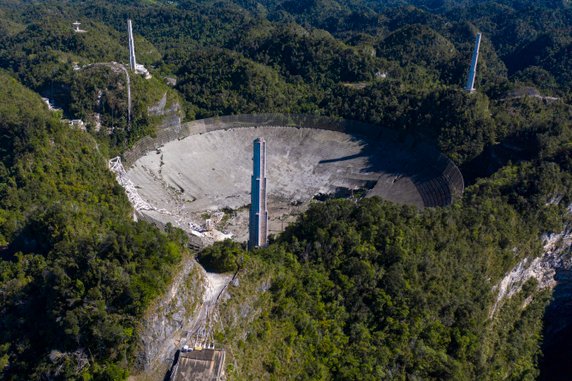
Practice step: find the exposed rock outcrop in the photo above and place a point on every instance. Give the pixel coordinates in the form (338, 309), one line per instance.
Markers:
(557, 254)
(165, 321)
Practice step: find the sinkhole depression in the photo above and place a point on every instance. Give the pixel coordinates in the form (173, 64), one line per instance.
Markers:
(197, 175)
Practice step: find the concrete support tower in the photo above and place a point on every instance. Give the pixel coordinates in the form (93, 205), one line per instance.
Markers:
(258, 226)
(132, 62)
(470, 86)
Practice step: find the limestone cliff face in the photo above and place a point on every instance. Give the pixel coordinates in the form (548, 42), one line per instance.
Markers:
(557, 255)
(164, 322)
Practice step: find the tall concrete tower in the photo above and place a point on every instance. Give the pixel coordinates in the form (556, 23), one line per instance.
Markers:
(132, 62)
(258, 226)
(470, 86)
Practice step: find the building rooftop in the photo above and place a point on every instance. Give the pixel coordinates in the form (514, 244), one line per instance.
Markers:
(199, 365)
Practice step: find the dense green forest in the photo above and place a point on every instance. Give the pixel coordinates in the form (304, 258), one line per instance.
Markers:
(378, 291)
(353, 290)
(75, 269)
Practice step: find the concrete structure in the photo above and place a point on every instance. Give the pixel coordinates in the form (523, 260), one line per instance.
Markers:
(78, 123)
(132, 60)
(133, 65)
(470, 86)
(199, 365)
(187, 172)
(258, 223)
(76, 27)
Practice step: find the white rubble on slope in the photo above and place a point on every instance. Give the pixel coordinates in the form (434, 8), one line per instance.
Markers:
(543, 268)
(142, 70)
(135, 199)
(198, 330)
(50, 105)
(138, 203)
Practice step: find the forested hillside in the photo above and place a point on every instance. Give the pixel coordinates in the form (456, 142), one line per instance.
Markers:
(76, 272)
(355, 289)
